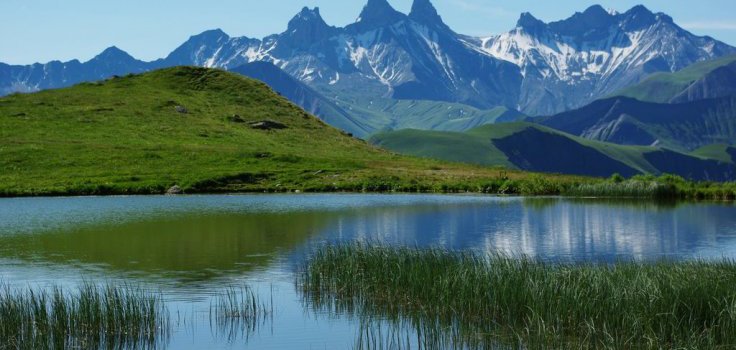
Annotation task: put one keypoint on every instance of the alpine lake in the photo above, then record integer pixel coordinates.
(192, 249)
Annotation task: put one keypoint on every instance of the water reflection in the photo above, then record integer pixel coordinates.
(197, 239)
(194, 247)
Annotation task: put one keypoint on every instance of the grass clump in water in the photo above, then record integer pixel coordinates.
(95, 317)
(481, 300)
(238, 312)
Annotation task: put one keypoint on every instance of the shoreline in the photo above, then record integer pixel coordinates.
(386, 193)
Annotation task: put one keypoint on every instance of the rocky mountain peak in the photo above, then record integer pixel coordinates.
(638, 17)
(530, 24)
(210, 35)
(306, 28)
(593, 19)
(423, 11)
(113, 54)
(307, 17)
(377, 13)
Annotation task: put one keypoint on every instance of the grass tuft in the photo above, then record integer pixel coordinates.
(238, 312)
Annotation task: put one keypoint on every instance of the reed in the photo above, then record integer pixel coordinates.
(470, 300)
(238, 312)
(94, 317)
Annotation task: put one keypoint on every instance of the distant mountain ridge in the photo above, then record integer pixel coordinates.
(683, 126)
(56, 74)
(537, 68)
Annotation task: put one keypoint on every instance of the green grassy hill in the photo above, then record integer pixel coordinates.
(194, 127)
(663, 87)
(533, 147)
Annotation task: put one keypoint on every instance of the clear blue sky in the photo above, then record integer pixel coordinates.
(42, 30)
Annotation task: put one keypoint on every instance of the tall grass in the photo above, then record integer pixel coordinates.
(654, 187)
(625, 189)
(476, 301)
(95, 317)
(238, 312)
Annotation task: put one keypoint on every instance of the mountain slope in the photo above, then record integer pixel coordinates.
(203, 129)
(303, 96)
(683, 126)
(519, 145)
(364, 116)
(709, 79)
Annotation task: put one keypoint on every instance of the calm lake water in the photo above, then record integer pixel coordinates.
(192, 248)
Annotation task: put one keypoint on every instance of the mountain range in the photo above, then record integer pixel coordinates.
(682, 123)
(386, 56)
(683, 111)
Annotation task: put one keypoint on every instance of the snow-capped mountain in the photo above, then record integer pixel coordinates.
(384, 52)
(538, 68)
(569, 63)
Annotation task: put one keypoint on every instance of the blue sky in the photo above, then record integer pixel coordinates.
(42, 30)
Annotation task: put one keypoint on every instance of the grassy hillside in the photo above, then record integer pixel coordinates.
(533, 147)
(132, 135)
(663, 87)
